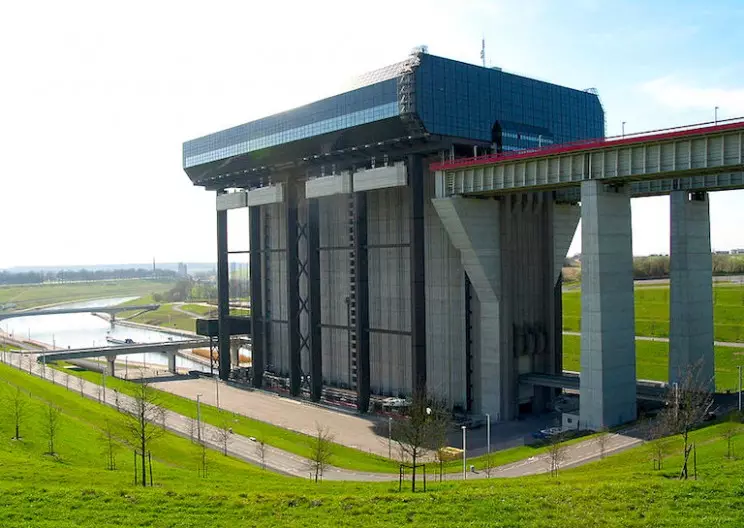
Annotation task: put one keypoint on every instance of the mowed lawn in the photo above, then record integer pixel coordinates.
(73, 489)
(652, 360)
(652, 311)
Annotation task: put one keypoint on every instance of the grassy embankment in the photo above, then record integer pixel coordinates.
(74, 489)
(298, 443)
(166, 316)
(28, 296)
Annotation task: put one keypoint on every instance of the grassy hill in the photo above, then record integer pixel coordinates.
(75, 489)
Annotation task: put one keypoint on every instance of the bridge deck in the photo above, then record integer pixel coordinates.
(713, 153)
(119, 350)
(93, 309)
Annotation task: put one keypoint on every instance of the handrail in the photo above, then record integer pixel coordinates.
(587, 144)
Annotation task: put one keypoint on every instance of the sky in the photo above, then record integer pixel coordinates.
(96, 98)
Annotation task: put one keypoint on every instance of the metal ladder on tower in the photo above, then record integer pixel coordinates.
(352, 297)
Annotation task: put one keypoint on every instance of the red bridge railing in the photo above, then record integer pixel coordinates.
(589, 144)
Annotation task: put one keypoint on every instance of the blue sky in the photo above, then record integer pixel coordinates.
(98, 97)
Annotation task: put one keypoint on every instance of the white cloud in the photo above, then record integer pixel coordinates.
(680, 95)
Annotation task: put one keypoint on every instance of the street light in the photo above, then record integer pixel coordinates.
(198, 417)
(488, 439)
(217, 390)
(715, 115)
(739, 367)
(464, 454)
(623, 126)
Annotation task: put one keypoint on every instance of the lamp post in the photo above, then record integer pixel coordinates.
(464, 454)
(623, 127)
(488, 439)
(739, 368)
(198, 417)
(715, 115)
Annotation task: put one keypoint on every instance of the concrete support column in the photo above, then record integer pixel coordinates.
(111, 366)
(418, 274)
(691, 296)
(361, 295)
(313, 272)
(293, 289)
(257, 317)
(171, 362)
(608, 372)
(223, 297)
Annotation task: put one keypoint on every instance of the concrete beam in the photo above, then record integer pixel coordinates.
(691, 285)
(111, 366)
(608, 374)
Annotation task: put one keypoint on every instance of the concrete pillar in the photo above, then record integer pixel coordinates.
(171, 362)
(691, 295)
(235, 353)
(111, 366)
(474, 228)
(223, 297)
(608, 372)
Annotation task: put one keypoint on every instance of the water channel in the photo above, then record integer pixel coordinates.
(83, 330)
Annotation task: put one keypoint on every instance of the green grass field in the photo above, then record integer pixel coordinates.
(165, 316)
(74, 489)
(200, 309)
(652, 311)
(43, 294)
(652, 359)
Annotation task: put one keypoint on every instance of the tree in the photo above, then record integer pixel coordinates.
(658, 442)
(688, 402)
(52, 416)
(556, 453)
(261, 451)
(141, 417)
(730, 430)
(424, 427)
(602, 440)
(18, 406)
(223, 434)
(321, 450)
(109, 439)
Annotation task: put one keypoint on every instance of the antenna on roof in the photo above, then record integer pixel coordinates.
(483, 51)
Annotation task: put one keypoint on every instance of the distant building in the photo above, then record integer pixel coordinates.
(182, 270)
(737, 251)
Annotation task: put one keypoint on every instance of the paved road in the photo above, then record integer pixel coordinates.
(289, 464)
(666, 340)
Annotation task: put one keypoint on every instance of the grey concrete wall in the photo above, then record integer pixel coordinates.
(691, 296)
(275, 289)
(506, 247)
(389, 290)
(608, 375)
(333, 214)
(445, 308)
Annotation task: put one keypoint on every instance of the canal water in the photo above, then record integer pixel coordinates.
(83, 330)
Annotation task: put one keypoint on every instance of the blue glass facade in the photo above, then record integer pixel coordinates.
(452, 100)
(466, 101)
(358, 107)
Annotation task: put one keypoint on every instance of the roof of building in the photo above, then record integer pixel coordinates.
(427, 97)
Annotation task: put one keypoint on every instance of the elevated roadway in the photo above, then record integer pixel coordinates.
(645, 389)
(701, 157)
(111, 310)
(112, 352)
